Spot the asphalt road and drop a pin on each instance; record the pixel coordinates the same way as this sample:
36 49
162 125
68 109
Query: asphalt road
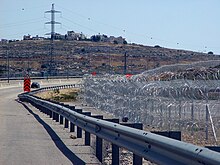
24 140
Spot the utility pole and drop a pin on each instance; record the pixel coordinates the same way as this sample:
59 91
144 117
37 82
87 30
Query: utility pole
125 63
8 65
68 63
28 67
52 33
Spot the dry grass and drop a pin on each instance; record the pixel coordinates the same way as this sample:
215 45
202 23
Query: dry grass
63 95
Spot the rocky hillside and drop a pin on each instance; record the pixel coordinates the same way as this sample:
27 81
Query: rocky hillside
79 57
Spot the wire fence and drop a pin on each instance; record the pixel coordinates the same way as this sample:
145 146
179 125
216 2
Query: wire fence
190 105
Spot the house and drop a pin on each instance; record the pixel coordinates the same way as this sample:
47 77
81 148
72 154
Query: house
59 36
71 35
111 39
28 37
116 40
4 41
37 38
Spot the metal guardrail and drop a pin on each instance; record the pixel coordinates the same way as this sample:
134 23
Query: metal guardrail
156 148
54 87
39 78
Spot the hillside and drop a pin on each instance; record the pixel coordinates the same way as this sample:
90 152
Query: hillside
81 57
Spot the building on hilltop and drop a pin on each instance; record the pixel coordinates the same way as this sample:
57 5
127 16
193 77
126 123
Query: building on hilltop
4 41
27 37
58 36
116 40
71 35
38 38
111 39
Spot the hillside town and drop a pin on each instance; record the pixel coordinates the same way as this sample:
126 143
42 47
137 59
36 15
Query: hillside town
74 36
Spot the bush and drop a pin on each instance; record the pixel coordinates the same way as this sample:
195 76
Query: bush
115 42
157 46
95 38
44 66
125 42
56 91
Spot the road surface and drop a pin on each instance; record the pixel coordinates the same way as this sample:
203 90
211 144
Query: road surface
23 139
28 136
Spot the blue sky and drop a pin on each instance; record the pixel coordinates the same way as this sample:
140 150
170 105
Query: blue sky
182 24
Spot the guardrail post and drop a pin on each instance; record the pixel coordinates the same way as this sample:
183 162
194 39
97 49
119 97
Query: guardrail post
54 115
69 106
72 127
214 148
137 160
41 110
50 113
66 123
62 104
61 119
46 111
171 134
65 105
99 143
87 134
72 107
57 117
115 148
79 130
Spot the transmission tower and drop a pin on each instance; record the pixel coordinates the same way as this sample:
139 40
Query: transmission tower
52 33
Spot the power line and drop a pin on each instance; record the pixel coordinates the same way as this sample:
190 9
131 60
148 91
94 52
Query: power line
144 36
80 25
91 19
27 32
22 23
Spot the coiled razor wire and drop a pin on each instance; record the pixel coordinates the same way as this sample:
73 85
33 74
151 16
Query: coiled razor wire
174 104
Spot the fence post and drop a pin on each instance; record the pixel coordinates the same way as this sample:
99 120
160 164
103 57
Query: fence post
207 122
192 118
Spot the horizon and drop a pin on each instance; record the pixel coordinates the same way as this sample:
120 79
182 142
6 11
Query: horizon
186 25
48 38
